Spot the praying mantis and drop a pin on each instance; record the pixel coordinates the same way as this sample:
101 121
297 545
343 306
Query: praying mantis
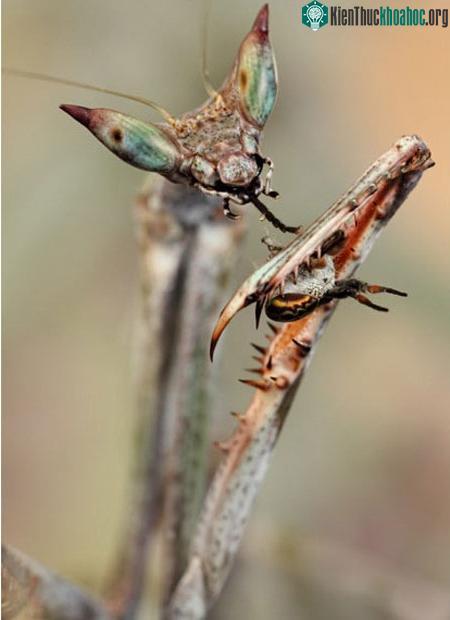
214 148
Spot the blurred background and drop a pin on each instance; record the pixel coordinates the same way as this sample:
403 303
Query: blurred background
353 520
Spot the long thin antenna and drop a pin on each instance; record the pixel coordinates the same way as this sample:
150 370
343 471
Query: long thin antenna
50 78
212 92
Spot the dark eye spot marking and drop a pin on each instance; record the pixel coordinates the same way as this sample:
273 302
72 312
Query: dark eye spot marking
243 79
117 135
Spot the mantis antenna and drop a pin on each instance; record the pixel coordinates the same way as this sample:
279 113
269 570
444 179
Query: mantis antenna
49 78
212 92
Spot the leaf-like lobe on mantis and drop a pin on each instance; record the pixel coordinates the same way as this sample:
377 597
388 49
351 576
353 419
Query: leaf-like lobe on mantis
256 72
143 145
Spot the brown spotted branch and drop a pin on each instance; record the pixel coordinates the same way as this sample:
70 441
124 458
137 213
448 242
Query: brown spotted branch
31 591
281 366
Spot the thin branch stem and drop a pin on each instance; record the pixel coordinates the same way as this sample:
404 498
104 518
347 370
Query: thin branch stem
31 591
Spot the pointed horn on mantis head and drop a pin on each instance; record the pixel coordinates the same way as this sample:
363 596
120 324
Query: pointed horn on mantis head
256 72
140 144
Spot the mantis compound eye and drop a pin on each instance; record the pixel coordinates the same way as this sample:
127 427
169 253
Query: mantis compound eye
140 144
204 171
256 72
237 169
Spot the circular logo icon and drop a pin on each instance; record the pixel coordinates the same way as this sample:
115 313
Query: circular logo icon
315 15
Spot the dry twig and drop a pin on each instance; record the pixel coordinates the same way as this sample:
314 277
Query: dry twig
31 592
